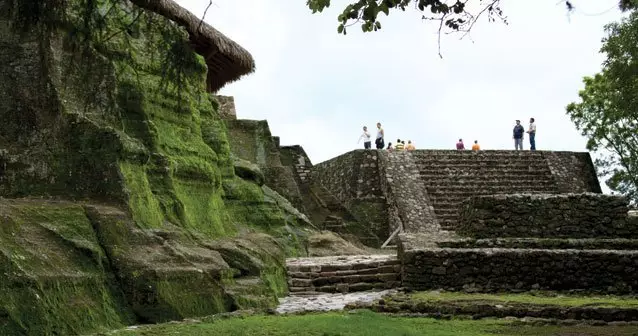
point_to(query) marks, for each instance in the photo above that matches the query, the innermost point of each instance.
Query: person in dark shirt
(519, 131)
(460, 145)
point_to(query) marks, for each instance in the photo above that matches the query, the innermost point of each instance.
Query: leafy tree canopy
(607, 113)
(453, 15)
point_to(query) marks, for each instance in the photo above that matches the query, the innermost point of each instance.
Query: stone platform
(568, 242)
(342, 274)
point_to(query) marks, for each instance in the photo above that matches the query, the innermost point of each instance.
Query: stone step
(486, 183)
(501, 178)
(347, 287)
(496, 174)
(449, 200)
(489, 190)
(450, 216)
(479, 165)
(476, 158)
(513, 188)
(477, 155)
(339, 263)
(343, 274)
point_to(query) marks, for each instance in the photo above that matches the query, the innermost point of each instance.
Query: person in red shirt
(460, 145)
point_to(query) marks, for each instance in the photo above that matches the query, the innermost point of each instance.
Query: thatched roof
(227, 61)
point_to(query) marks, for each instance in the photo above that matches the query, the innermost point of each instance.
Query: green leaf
(384, 8)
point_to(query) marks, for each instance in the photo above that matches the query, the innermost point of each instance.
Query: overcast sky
(317, 88)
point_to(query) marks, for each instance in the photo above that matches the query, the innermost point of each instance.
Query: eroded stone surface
(339, 261)
(327, 302)
(343, 274)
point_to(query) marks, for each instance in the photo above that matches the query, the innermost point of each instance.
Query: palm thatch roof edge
(227, 61)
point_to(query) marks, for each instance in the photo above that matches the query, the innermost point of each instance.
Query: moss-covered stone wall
(253, 141)
(104, 109)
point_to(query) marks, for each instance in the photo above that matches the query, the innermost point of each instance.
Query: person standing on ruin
(475, 146)
(410, 146)
(532, 134)
(519, 131)
(379, 140)
(460, 145)
(367, 143)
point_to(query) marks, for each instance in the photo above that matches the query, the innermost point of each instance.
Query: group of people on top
(518, 136)
(380, 142)
(519, 132)
(461, 146)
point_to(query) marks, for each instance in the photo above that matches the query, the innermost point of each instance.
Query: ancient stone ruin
(131, 193)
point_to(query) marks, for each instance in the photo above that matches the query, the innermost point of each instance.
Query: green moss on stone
(123, 117)
(144, 206)
(204, 211)
(56, 279)
(192, 295)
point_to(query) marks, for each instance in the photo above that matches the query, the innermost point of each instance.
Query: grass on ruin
(364, 323)
(539, 298)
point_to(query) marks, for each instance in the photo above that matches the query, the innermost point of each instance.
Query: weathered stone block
(521, 269)
(585, 215)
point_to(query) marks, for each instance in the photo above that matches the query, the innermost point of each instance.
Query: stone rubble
(327, 302)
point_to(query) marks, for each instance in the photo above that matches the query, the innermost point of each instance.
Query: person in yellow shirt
(399, 145)
(410, 146)
(476, 146)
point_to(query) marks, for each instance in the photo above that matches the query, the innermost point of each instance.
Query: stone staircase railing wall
(407, 194)
(323, 209)
(354, 179)
(573, 172)
(296, 157)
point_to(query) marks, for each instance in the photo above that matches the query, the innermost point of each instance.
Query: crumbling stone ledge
(585, 215)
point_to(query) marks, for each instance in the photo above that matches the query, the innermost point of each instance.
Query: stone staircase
(342, 274)
(452, 176)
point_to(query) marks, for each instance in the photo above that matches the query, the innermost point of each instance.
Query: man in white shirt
(367, 143)
(532, 134)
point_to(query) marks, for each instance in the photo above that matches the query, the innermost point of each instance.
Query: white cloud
(317, 88)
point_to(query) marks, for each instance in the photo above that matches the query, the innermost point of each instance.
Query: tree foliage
(451, 14)
(607, 113)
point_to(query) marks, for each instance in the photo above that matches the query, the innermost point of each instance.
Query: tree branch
(210, 3)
